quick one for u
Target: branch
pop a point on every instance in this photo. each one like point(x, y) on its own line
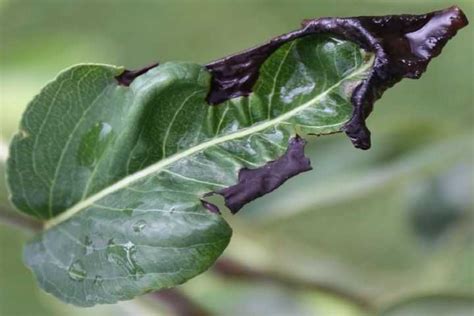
point(231, 269)
point(13, 218)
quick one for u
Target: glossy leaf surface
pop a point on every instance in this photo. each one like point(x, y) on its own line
point(119, 172)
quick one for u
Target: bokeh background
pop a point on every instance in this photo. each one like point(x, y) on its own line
point(393, 225)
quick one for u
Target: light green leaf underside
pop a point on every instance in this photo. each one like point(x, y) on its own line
point(119, 171)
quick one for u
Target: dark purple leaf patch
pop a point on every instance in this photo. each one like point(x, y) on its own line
point(254, 183)
point(127, 76)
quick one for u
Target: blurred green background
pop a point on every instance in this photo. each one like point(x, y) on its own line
point(393, 225)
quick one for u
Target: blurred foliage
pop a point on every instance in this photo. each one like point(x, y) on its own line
point(433, 305)
point(389, 223)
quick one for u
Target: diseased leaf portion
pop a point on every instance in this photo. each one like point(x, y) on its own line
point(118, 162)
point(254, 183)
point(127, 76)
point(403, 46)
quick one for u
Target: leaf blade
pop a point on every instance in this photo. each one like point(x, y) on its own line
point(196, 149)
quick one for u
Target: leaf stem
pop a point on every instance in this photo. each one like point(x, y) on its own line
point(13, 218)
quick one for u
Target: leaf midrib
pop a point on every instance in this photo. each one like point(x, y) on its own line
point(123, 183)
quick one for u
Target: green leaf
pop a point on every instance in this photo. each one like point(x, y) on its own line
point(118, 172)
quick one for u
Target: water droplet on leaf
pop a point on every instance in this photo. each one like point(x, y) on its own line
point(124, 256)
point(76, 271)
point(139, 226)
point(94, 143)
point(98, 280)
point(88, 245)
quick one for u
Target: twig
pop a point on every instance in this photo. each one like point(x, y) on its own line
point(231, 269)
point(179, 303)
point(14, 218)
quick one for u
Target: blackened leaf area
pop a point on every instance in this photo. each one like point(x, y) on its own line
point(127, 76)
point(254, 183)
point(403, 46)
